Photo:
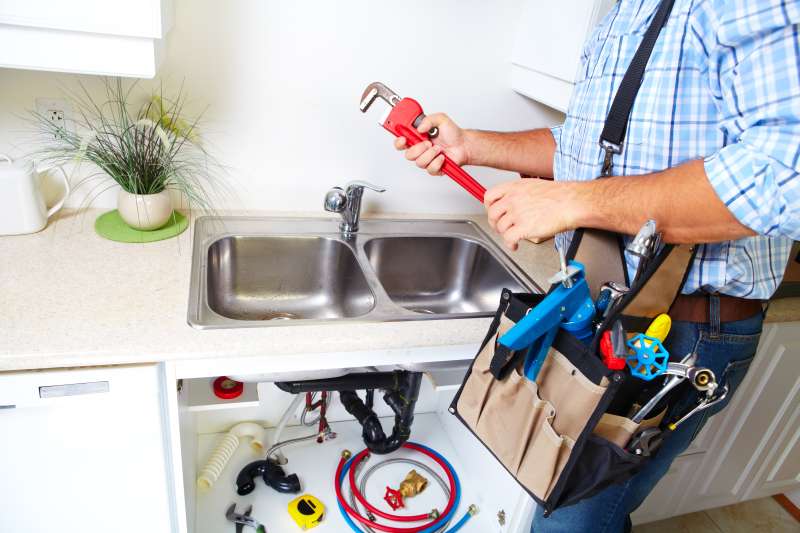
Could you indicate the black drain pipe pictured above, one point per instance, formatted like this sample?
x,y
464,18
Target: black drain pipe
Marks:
x,y
401,393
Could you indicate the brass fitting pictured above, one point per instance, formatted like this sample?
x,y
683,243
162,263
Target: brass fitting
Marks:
x,y
346,454
434,514
472,509
413,484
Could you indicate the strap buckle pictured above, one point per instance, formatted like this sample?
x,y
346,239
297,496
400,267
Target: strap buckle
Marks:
x,y
608,162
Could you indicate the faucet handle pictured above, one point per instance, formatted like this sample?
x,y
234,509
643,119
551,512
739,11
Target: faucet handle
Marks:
x,y
364,185
335,200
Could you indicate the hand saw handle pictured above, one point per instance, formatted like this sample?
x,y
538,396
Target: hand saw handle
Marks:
x,y
400,122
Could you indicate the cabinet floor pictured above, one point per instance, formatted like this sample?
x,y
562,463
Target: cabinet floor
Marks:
x,y
315,464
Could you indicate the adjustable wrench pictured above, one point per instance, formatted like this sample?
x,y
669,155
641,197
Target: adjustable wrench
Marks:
x,y
402,121
712,398
671,382
244,519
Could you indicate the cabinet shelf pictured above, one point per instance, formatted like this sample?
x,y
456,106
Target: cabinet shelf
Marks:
x,y
200,396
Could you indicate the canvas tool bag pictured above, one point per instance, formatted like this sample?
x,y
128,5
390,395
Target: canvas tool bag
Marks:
x,y
563,436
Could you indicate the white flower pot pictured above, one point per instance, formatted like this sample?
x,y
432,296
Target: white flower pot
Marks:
x,y
144,211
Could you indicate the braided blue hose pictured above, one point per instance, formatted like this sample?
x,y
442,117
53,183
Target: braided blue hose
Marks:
x,y
432,529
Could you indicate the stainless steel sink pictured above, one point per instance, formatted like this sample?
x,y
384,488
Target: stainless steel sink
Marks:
x,y
284,278
438,275
260,272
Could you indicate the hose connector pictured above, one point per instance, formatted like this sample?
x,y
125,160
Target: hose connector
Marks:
x,y
434,514
472,510
346,455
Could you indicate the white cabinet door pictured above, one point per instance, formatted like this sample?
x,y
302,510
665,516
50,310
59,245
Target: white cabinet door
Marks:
x,y
779,470
83,451
115,17
754,449
663,500
548,46
113,37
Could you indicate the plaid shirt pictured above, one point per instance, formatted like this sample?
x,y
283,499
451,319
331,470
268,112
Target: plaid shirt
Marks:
x,y
723,84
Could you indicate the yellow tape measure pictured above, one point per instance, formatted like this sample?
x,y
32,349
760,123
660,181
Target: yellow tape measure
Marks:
x,y
306,511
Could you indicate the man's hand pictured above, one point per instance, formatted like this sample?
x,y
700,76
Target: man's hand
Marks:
x,y
531,209
451,140
680,199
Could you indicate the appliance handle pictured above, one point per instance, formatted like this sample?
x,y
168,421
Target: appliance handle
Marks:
x,y
67,189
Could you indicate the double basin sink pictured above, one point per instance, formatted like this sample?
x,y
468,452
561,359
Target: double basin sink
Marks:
x,y
258,272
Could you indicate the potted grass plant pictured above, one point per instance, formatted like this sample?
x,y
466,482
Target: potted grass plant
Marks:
x,y
150,150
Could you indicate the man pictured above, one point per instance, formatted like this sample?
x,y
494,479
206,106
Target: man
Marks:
x,y
712,153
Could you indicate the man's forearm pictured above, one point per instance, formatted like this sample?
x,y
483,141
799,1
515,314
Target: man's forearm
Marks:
x,y
680,199
527,152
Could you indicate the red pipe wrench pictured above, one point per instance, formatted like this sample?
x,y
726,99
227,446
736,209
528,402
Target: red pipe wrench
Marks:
x,y
402,121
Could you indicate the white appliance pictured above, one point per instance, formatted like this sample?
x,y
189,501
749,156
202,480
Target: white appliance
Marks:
x,y
22,207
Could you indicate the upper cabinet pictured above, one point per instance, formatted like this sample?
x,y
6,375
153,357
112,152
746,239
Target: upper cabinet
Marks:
x,y
548,45
111,37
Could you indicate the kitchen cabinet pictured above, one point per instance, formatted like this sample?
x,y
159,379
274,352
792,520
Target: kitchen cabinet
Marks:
x,y
83,451
130,441
203,420
751,449
547,48
112,37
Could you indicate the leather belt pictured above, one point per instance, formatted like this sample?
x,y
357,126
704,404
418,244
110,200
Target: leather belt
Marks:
x,y
695,308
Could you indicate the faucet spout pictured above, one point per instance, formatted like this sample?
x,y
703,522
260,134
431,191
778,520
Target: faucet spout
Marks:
x,y
347,202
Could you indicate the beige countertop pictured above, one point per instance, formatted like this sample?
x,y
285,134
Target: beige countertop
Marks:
x,y
70,298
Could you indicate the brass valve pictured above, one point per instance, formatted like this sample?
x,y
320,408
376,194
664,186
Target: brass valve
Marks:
x,y
413,484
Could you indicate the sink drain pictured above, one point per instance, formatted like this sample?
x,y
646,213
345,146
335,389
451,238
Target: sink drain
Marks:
x,y
279,316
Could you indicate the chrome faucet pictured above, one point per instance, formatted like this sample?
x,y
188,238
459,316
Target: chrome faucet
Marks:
x,y
347,202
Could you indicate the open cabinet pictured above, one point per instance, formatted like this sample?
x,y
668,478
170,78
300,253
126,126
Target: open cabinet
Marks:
x,y
203,421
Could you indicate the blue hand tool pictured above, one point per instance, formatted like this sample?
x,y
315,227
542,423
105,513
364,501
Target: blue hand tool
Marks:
x,y
568,306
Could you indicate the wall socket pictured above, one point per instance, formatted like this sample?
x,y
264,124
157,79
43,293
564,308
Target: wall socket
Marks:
x,y
56,110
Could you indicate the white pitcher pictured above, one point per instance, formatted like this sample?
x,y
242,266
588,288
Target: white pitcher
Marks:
x,y
22,208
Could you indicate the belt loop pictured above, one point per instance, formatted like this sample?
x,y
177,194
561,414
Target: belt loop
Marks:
x,y
713,315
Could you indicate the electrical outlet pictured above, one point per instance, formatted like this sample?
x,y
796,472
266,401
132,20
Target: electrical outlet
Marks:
x,y
56,110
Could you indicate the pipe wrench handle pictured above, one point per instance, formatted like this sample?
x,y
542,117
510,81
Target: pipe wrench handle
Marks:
x,y
400,122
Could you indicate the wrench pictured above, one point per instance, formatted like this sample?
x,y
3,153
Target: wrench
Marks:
x,y
612,292
671,382
402,121
710,400
646,442
244,519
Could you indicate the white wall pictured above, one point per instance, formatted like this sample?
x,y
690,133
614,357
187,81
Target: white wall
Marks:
x,y
282,80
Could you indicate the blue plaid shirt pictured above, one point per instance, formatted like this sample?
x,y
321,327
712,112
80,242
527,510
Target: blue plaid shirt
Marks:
x,y
722,84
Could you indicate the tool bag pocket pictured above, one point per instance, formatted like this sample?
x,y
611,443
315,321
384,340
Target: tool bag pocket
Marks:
x,y
541,431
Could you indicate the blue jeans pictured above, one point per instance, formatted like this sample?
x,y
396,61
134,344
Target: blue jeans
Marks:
x,y
727,349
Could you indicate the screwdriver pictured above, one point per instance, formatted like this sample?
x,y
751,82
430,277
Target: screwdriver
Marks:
x,y
658,328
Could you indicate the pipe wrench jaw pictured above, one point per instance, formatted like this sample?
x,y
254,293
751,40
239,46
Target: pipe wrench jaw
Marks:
x,y
377,90
405,112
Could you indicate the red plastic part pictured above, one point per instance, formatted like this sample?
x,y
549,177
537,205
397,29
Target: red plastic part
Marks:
x,y
389,529
227,389
400,122
607,351
394,498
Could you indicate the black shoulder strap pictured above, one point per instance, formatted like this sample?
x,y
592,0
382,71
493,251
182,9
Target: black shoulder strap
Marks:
x,y
613,135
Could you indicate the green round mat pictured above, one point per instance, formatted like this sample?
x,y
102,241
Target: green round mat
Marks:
x,y
111,226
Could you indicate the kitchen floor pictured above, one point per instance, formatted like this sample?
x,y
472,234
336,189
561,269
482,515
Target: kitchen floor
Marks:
x,y
764,514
